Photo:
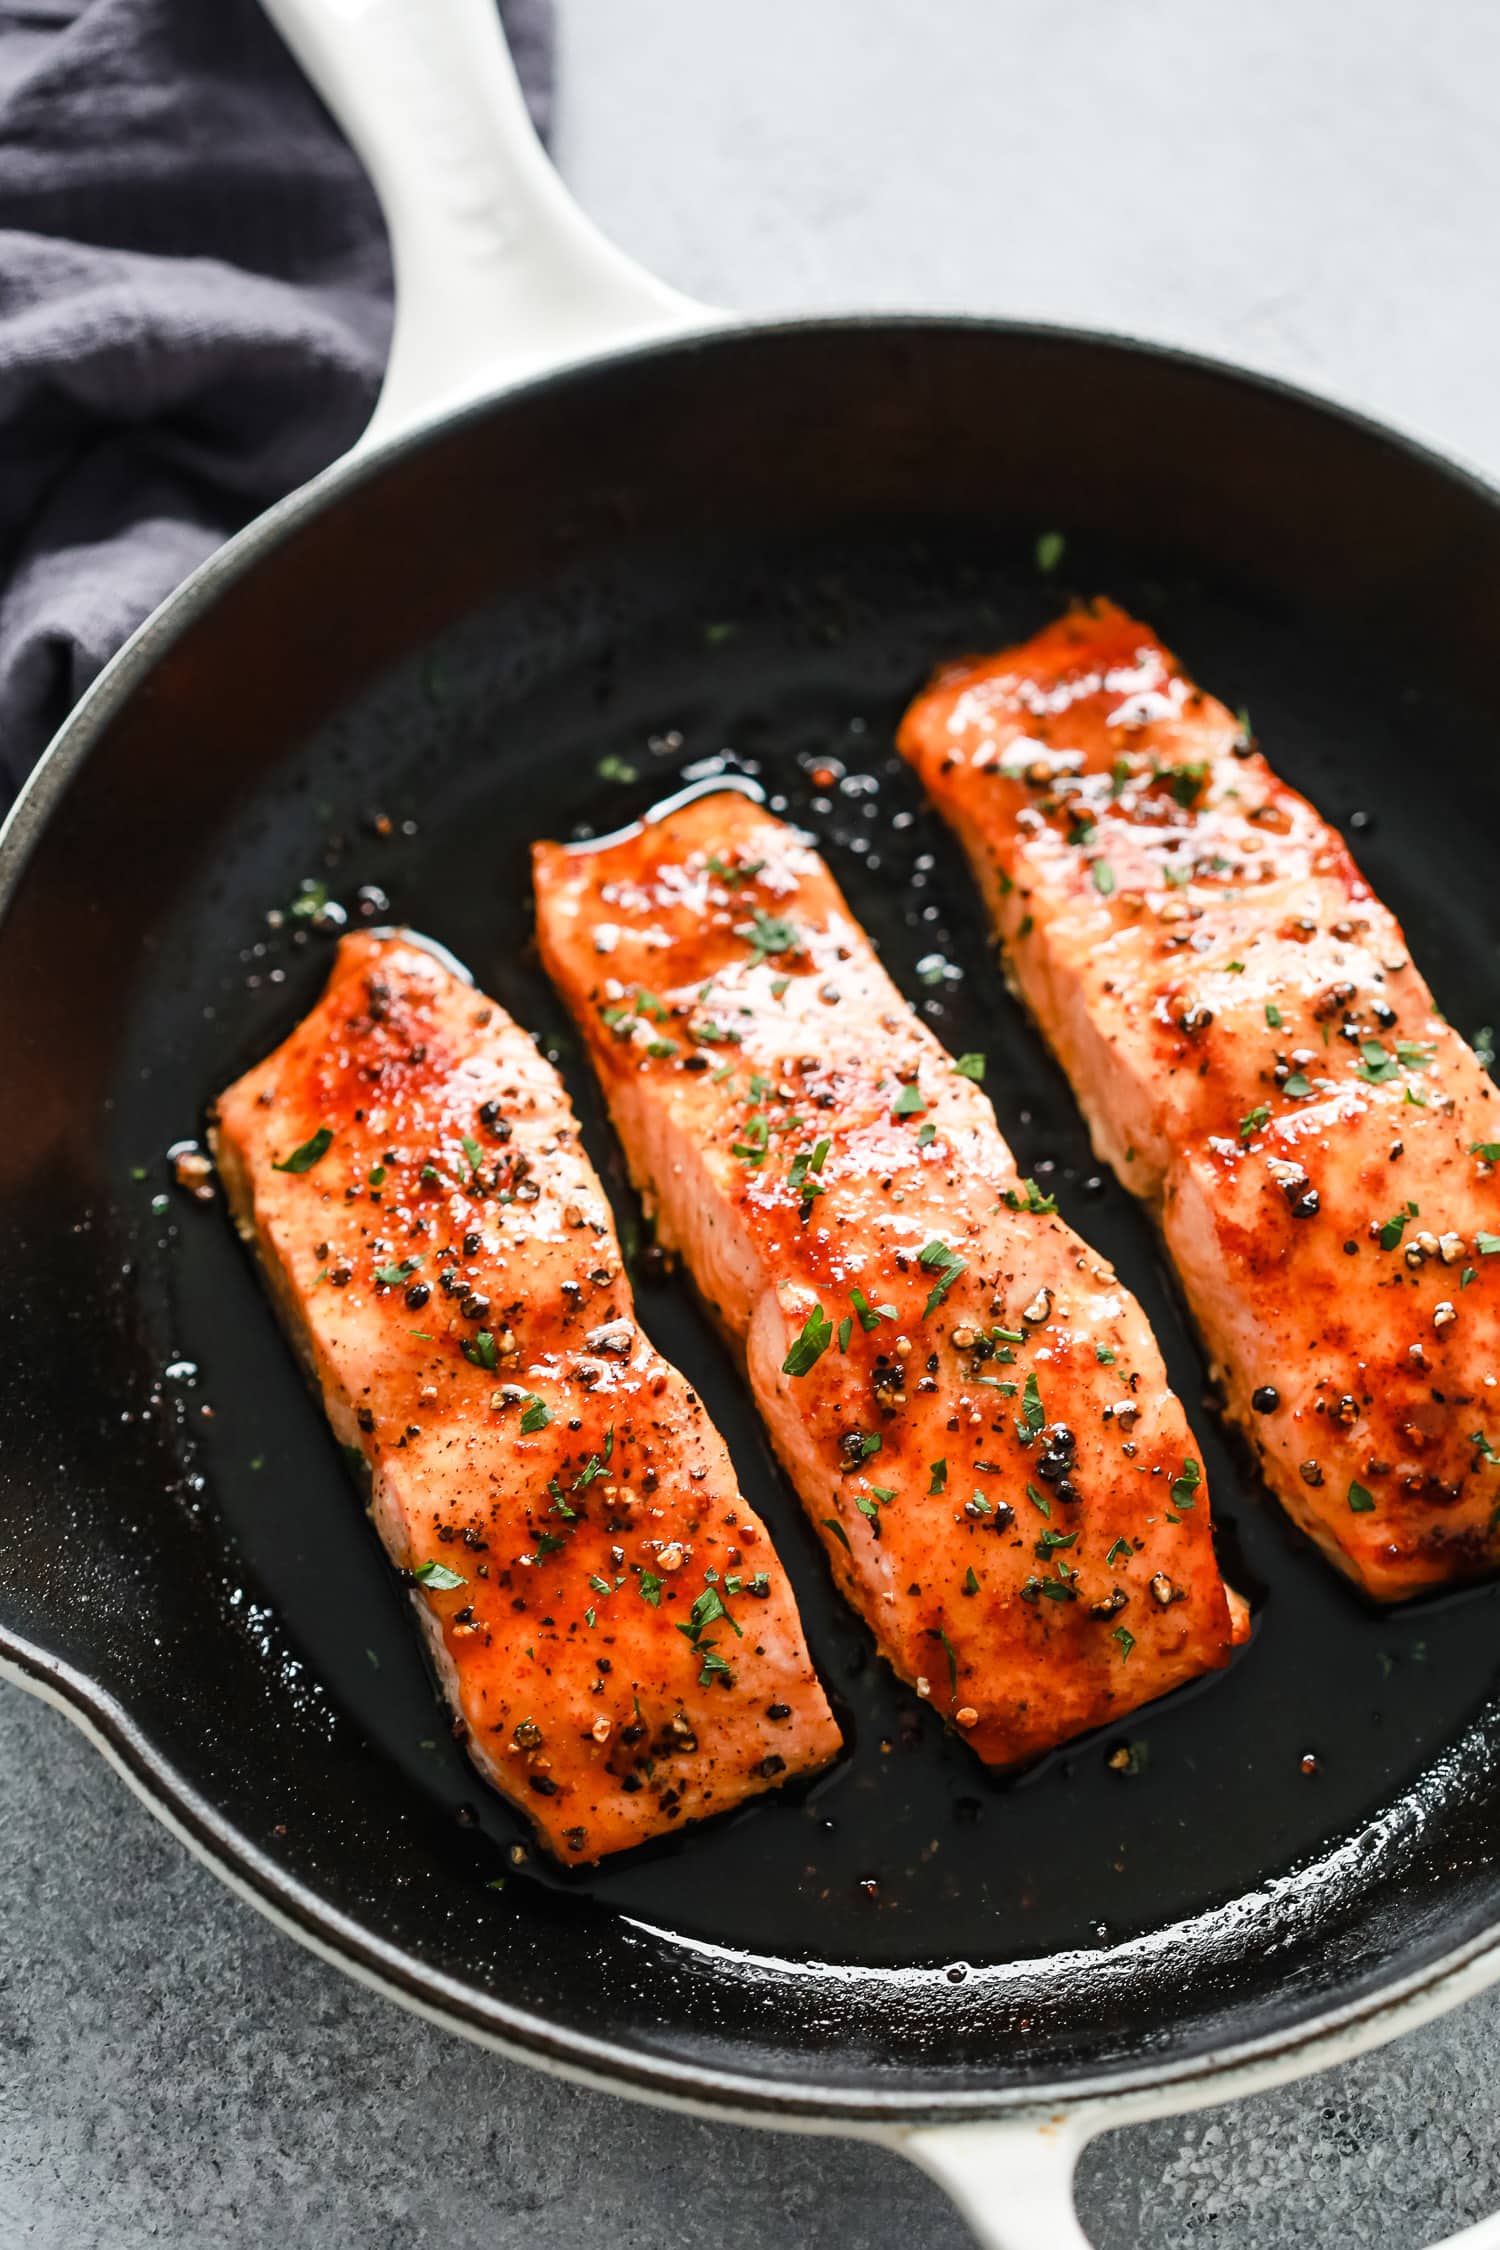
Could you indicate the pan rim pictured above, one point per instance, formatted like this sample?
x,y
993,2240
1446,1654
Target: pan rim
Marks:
x,y
1149,2089
1242,2066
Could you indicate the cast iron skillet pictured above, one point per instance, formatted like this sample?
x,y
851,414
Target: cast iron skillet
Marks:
x,y
733,553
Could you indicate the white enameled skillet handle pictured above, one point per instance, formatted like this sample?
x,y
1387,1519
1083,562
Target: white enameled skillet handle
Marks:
x,y
499,275
1013,2180
1484,2236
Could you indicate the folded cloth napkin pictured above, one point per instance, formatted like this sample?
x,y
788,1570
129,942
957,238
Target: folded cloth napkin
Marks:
x,y
195,298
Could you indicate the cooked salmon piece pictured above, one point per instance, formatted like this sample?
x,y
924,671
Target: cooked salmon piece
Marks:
x,y
1261,1061
604,1609
971,1407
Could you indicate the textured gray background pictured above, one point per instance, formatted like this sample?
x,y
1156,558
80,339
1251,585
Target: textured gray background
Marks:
x,y
1298,183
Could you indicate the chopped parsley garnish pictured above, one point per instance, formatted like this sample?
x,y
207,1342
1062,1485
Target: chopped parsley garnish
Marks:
x,y
1411,1056
707,1610
1489,1150
1104,1353
1253,1120
831,1523
734,876
1039,1500
816,1336
1185,1486
536,1417
846,1330
310,1153
952,1662
1051,546
1376,1067
480,1351
1299,1086
311,899
438,1576
926,1135
1186,781
937,1258
1484,1446
390,1276
650,1586
376,1179
971,1583
1120,1547
1031,1404
804,1162
714,1667
1274,1016
708,1033
473,1152
1104,878
1029,1197
1125,1639
939,1477
601,1586
1488,1245
751,1146
769,933
1361,1503
1394,1227
970,1066
909,1102
661,1050
612,767
870,1316
867,1507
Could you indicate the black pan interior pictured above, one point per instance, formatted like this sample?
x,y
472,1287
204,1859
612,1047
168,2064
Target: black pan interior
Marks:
x,y
739,558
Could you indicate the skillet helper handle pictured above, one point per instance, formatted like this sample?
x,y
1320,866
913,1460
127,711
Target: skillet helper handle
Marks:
x,y
499,275
1013,2180
1484,2236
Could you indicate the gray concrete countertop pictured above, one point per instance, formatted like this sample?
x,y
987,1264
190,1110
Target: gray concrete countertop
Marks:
x,y
1295,183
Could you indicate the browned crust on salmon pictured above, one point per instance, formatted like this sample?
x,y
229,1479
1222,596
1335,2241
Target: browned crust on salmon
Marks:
x,y
603,1607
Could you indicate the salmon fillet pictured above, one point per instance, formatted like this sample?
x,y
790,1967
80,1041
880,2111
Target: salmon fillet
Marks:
x,y
603,1608
1260,1060
973,1410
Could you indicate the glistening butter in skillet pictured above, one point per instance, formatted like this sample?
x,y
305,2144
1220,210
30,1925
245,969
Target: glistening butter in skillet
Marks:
x,y
973,1409
605,1612
1259,1059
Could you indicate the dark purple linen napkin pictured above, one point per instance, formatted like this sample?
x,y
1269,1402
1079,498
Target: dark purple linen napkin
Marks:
x,y
195,300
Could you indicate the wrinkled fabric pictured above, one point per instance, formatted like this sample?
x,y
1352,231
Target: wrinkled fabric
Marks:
x,y
195,306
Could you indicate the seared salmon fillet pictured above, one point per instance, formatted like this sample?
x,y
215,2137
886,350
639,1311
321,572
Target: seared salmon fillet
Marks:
x,y
972,1409
1261,1061
603,1608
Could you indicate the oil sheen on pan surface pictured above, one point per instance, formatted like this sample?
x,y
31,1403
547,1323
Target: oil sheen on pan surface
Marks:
x,y
419,807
